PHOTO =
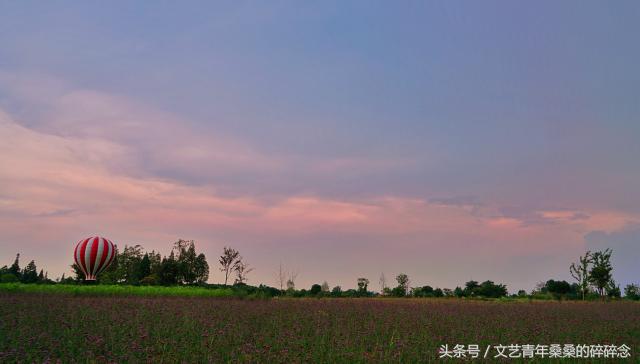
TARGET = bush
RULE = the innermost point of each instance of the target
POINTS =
(8, 278)
(150, 280)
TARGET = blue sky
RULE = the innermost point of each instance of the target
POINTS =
(503, 110)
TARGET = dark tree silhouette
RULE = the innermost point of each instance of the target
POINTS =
(228, 261)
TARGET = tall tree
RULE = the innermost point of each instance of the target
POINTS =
(403, 285)
(291, 281)
(201, 269)
(580, 272)
(30, 273)
(186, 259)
(600, 273)
(228, 261)
(282, 277)
(145, 267)
(15, 267)
(168, 272)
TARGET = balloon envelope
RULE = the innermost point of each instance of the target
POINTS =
(93, 255)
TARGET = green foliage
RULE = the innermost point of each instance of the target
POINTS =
(336, 291)
(486, 289)
(118, 290)
(402, 288)
(15, 267)
(315, 290)
(632, 291)
(30, 273)
(8, 278)
(600, 273)
(561, 289)
(150, 280)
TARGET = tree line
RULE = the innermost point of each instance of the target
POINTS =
(184, 266)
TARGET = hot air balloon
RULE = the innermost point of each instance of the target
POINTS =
(93, 255)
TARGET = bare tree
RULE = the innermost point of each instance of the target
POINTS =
(291, 281)
(228, 260)
(383, 283)
(325, 286)
(242, 270)
(580, 272)
(282, 277)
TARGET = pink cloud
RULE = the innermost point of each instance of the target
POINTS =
(84, 172)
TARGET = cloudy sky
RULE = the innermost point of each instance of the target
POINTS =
(449, 141)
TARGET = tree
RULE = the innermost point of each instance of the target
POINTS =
(169, 270)
(522, 293)
(242, 270)
(282, 277)
(632, 291)
(15, 267)
(363, 283)
(291, 285)
(470, 288)
(315, 289)
(145, 267)
(557, 288)
(580, 272)
(79, 275)
(383, 283)
(128, 265)
(228, 261)
(490, 289)
(30, 273)
(325, 287)
(600, 273)
(201, 269)
(426, 291)
(613, 290)
(186, 260)
(291, 281)
(336, 291)
(458, 292)
(41, 276)
(402, 288)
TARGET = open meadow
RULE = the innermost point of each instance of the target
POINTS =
(80, 328)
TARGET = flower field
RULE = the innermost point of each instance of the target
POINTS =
(44, 327)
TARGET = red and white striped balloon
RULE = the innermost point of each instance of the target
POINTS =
(93, 255)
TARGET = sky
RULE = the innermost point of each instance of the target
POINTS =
(446, 140)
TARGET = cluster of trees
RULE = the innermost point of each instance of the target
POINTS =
(136, 267)
(593, 273)
(472, 288)
(184, 266)
(29, 274)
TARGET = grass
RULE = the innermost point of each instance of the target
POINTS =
(88, 328)
(116, 290)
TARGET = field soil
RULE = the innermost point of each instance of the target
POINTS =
(37, 327)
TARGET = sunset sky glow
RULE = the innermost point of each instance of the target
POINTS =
(449, 141)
